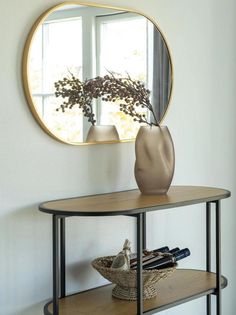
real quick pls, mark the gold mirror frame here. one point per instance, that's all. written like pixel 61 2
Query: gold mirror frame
pixel 25 66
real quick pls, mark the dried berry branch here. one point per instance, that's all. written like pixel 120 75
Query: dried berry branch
pixel 128 93
pixel 73 89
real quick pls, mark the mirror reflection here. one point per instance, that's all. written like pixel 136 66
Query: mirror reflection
pixel 86 42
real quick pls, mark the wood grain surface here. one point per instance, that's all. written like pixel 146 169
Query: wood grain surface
pixel 181 286
pixel 132 201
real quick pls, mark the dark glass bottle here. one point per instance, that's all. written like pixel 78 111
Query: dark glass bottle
pixel 163 249
pixel 146 252
pixel 148 255
pixel 174 250
pixel 153 254
pixel 167 261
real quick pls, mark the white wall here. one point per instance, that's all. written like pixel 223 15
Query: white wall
pixel 34 167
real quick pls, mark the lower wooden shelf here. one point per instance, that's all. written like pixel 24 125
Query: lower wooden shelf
pixel 182 286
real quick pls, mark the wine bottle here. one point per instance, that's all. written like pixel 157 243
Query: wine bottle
pixel 163 249
pixel 146 252
pixel 164 262
pixel 153 254
pixel 174 250
pixel 147 255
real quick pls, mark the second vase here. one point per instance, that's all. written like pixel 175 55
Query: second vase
pixel 155 159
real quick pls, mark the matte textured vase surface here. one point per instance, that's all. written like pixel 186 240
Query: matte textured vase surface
pixel 155 160
pixel 102 133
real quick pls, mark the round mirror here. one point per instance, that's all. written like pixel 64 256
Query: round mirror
pixel 74 44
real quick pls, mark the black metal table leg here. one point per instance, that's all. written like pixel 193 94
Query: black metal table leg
pixel 208 250
pixel 139 264
pixel 144 231
pixel 55 258
pixel 218 259
pixel 62 258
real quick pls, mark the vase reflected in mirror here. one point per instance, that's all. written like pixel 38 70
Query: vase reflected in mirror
pixel 102 133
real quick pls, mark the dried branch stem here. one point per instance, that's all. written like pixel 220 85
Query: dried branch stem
pixel 128 93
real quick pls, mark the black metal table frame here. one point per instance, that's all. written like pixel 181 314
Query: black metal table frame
pixel 59 262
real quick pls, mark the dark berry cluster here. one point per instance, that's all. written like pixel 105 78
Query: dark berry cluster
pixel 128 93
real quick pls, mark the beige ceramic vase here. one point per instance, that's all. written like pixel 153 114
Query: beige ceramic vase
pixel 155 160
pixel 102 133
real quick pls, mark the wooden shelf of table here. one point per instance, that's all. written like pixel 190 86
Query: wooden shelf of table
pixel 182 286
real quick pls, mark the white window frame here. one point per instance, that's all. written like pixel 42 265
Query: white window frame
pixel 149 31
pixel 91 48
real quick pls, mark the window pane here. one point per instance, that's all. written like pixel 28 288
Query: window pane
pixel 68 125
pixel 126 127
pixel 123 50
pixel 36 63
pixel 56 51
pixel 123 47
pixel 62 51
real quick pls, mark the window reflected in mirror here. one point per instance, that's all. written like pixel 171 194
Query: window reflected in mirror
pixel 89 41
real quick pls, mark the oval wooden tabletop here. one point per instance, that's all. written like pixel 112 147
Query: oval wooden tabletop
pixel 132 201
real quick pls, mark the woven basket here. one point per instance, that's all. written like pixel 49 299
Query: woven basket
pixel 125 280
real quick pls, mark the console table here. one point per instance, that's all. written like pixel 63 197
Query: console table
pixel 184 285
